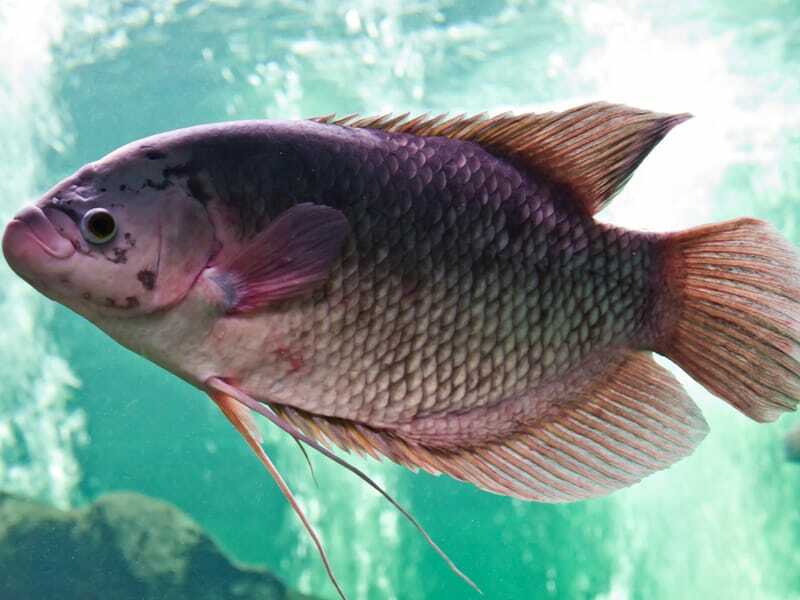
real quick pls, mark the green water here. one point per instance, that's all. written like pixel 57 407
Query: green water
pixel 81 416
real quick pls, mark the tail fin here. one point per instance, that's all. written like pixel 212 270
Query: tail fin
pixel 734 292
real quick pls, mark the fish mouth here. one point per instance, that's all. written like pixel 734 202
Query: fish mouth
pixel 31 225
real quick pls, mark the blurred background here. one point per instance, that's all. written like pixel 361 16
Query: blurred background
pixel 80 416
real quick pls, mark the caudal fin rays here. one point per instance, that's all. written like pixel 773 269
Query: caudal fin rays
pixel 734 291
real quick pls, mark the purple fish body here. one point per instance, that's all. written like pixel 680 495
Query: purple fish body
pixel 435 291
pixel 440 230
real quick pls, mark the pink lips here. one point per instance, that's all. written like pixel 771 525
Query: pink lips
pixel 32 225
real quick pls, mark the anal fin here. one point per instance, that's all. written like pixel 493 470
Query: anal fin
pixel 635 419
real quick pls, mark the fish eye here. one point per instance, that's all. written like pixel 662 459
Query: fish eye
pixel 98 226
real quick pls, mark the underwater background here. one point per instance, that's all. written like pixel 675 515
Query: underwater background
pixel 80 416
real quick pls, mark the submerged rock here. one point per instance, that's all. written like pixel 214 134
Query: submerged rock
pixel 793 445
pixel 125 546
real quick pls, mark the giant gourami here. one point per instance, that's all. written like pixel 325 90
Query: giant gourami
pixel 432 290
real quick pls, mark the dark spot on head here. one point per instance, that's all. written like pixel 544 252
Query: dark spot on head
pixel 123 187
pixel 154 155
pixel 161 185
pixel 130 240
pixel 103 190
pixel 130 302
pixel 120 256
pixel 147 278
pixel 64 279
pixel 198 191
pixel 86 296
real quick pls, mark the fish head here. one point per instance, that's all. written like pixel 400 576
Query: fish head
pixel 116 239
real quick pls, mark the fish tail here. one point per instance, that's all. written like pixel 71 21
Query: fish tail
pixel 729 314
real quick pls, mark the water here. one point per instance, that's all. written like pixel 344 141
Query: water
pixel 82 416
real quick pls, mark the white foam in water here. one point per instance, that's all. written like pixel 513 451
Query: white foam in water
pixel 644 66
pixel 38 430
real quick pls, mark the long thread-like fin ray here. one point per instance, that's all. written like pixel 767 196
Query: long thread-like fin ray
pixel 308 460
pixel 231 410
pixel 222 387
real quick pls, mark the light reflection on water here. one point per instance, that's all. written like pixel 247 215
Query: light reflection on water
pixel 38 431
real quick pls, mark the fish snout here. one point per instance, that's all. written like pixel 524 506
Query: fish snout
pixel 31 226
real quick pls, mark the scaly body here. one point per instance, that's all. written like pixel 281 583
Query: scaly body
pixel 435 291
pixel 467 282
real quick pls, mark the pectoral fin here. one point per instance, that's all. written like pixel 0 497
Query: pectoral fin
pixel 293 256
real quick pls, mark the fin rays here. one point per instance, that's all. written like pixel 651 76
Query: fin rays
pixel 593 149
pixel 223 394
pixel 232 411
pixel 736 288
pixel 634 420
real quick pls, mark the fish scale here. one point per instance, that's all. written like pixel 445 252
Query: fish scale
pixel 451 264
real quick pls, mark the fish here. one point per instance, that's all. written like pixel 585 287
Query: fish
pixel 437 291
pixel 792 445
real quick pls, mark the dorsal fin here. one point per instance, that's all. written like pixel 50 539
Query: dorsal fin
pixel 592 149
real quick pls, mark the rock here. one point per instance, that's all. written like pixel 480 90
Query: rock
pixel 125 546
